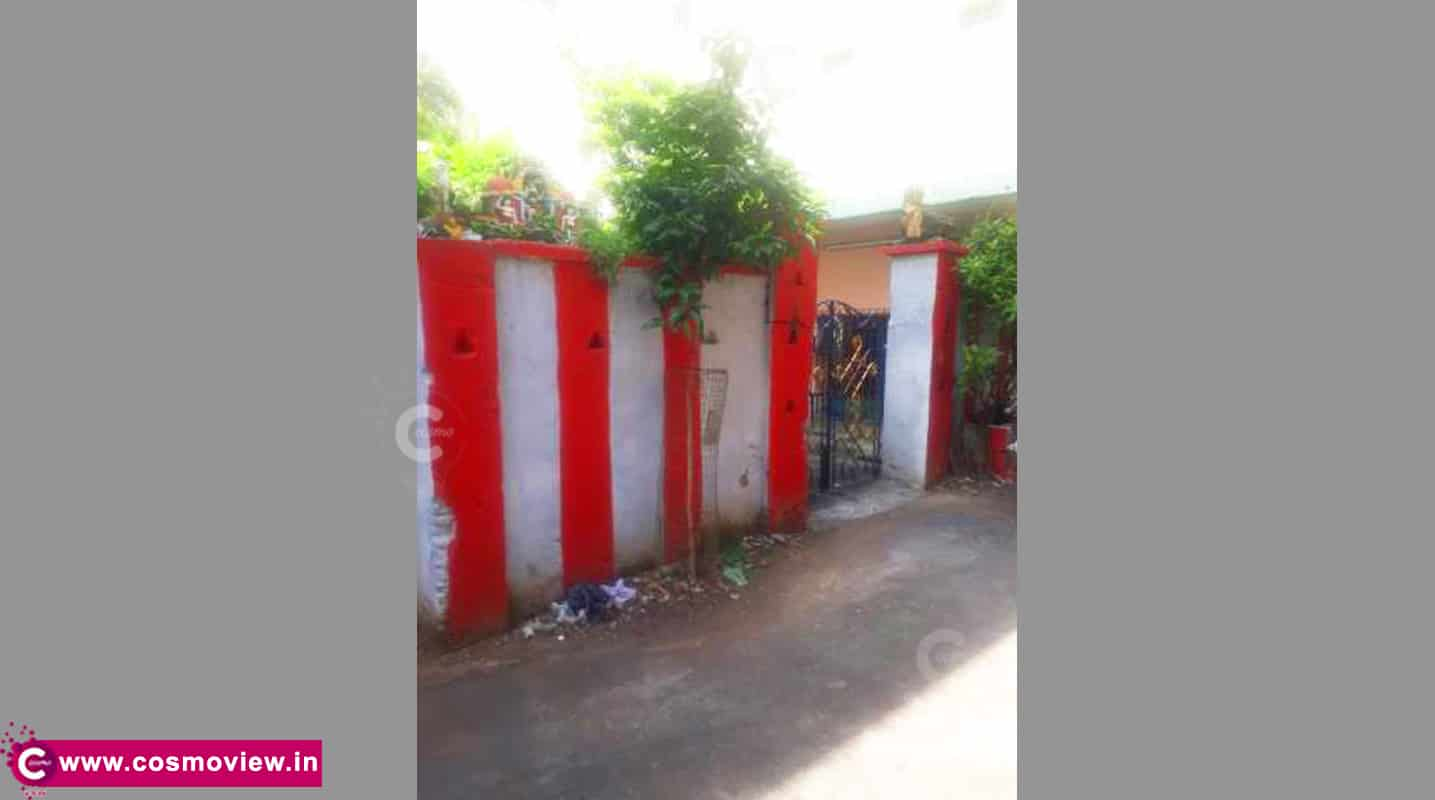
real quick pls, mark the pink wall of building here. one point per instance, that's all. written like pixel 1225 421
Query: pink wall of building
pixel 857 276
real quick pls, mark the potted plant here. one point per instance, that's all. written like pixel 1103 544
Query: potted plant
pixel 990 402
pixel 989 289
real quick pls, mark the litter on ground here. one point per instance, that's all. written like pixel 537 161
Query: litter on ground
pixel 585 605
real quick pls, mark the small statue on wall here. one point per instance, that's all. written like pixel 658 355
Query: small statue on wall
pixel 912 213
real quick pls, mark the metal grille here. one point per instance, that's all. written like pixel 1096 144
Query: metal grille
pixel 713 387
pixel 844 434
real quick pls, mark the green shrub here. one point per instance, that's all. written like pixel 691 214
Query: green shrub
pixel 428 183
pixel 989 387
pixel 472 163
pixel 607 245
pixel 694 183
pixel 989 269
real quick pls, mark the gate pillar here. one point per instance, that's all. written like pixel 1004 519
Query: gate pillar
pixel 921 361
pixel 794 303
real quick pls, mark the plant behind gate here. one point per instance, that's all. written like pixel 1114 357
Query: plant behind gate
pixel 990 387
pixel 988 269
pixel 988 274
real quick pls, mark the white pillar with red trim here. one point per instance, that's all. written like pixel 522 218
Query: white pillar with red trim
pixel 920 384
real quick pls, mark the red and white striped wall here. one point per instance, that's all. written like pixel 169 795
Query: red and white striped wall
pixel 566 425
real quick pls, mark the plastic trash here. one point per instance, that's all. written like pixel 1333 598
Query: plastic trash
pixel 619 593
pixel 564 615
pixel 534 626
pixel 589 598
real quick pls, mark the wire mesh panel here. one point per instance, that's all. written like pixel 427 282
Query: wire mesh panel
pixel 706 398
pixel 707 391
pixel 713 388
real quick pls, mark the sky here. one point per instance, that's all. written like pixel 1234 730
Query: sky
pixel 866 98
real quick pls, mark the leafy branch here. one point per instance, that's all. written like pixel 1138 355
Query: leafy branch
pixel 989 268
pixel 694 182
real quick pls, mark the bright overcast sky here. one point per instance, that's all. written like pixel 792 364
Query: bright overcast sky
pixel 867 97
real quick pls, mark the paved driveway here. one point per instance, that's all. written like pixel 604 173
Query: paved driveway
pixel 877 661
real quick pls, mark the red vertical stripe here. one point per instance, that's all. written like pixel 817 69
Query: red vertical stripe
pixel 585 455
pixel 943 384
pixel 794 305
pixel 461 349
pixel 682 356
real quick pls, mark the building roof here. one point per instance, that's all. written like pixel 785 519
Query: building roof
pixel 885 227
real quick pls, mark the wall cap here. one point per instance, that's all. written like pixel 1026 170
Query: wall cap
pixel 929 246
pixel 544 251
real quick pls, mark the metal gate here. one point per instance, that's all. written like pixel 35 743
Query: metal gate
pixel 849 364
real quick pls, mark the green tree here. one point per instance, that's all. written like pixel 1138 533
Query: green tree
pixel 440 111
pixel 465 162
pixel 472 162
pixel 694 183
pixel 989 281
pixel 989 268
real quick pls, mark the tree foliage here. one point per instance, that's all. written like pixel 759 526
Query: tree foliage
pixel 989 386
pixel 606 242
pixel 454 168
pixel 989 268
pixel 472 162
pixel 978 366
pixel 694 183
pixel 440 111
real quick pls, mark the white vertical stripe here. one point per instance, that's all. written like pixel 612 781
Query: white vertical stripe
pixel 433 563
pixel 635 409
pixel 907 395
pixel 735 471
pixel 528 394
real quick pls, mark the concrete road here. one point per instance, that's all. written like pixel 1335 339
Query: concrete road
pixel 879 660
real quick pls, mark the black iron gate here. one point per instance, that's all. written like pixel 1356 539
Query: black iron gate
pixel 849 364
